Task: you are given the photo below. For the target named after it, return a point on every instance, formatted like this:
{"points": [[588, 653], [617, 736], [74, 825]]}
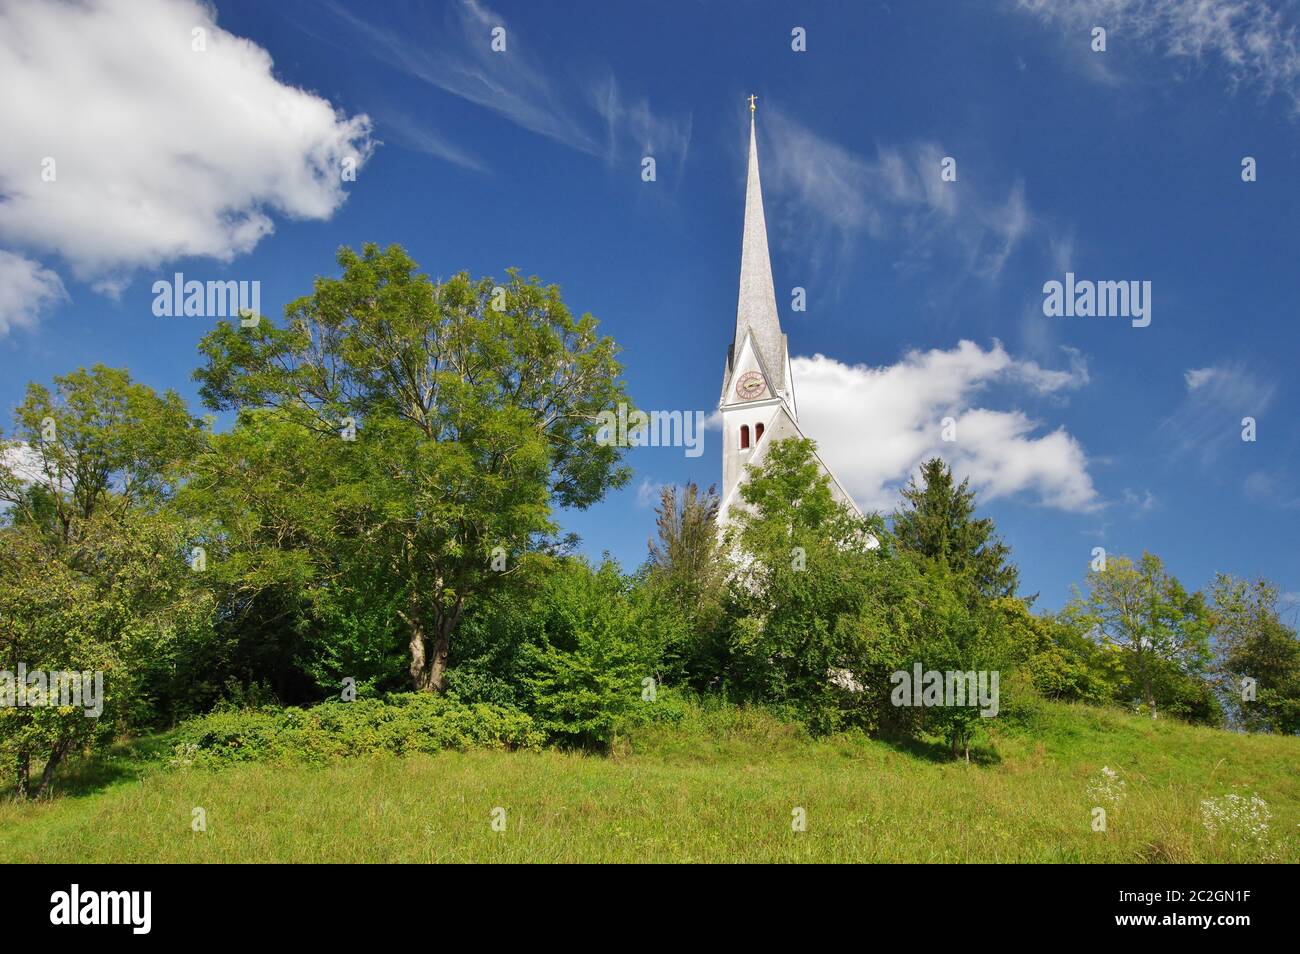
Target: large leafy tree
{"points": [[937, 522], [789, 499], [94, 568], [473, 407], [304, 595], [1142, 611], [97, 443], [122, 605], [952, 634], [1252, 642]]}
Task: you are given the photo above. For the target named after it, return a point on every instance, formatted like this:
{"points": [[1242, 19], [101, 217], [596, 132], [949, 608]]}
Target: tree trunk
{"points": [[429, 658], [418, 654], [47, 775], [441, 652], [24, 774]]}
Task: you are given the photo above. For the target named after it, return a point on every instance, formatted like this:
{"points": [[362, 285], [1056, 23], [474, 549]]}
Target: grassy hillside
{"points": [[721, 786]]}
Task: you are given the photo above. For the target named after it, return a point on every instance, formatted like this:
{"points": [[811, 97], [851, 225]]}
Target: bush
{"points": [[588, 662], [398, 723], [669, 707]]}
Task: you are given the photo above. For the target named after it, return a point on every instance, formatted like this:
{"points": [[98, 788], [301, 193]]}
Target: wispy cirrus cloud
{"points": [[422, 137], [632, 124], [1250, 43], [454, 53], [829, 196], [649, 492], [1218, 397], [1272, 488]]}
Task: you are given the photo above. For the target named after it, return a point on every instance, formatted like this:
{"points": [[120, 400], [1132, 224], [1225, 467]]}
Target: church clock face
{"points": [[750, 386]]}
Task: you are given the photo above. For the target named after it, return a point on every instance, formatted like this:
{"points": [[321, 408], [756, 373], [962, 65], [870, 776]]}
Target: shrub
{"points": [[588, 659], [398, 723], [669, 707]]}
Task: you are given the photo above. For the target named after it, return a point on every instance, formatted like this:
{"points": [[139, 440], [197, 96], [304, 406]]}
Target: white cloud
{"points": [[1272, 489], [1046, 380], [22, 461], [1251, 42], [1218, 397], [829, 196], [26, 289], [21, 466], [160, 151], [874, 426], [648, 493], [456, 56], [1141, 503]]}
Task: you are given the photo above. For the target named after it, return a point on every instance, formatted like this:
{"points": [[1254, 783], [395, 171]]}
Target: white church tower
{"points": [[758, 401]]}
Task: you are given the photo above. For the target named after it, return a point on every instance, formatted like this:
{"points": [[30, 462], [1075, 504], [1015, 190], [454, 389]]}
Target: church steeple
{"points": [[756, 307], [757, 405]]}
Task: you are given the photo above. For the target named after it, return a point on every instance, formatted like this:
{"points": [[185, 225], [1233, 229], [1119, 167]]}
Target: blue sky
{"points": [[924, 297]]}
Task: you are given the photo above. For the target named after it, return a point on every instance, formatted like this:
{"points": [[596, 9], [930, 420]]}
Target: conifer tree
{"points": [[938, 523]]}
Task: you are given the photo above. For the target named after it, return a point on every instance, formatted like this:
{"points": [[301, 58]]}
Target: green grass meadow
{"points": [[723, 785]]}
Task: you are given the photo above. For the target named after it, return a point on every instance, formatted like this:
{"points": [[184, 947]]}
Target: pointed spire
{"points": [[756, 309]]}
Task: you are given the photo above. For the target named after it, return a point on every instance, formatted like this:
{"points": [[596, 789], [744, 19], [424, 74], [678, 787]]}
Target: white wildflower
{"points": [[184, 754], [1107, 787], [1242, 820]]}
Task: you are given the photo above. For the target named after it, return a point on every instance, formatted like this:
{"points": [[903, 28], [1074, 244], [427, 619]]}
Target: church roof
{"points": [[784, 425], [756, 307]]}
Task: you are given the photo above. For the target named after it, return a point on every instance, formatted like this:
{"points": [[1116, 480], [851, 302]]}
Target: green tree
{"points": [[95, 575], [121, 605], [938, 524], [478, 403], [688, 555], [1161, 630], [1059, 659], [306, 599], [801, 601], [789, 497], [686, 577], [951, 636], [98, 443], [1252, 642]]}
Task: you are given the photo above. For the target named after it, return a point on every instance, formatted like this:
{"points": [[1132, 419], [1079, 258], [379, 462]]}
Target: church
{"points": [[758, 404]]}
